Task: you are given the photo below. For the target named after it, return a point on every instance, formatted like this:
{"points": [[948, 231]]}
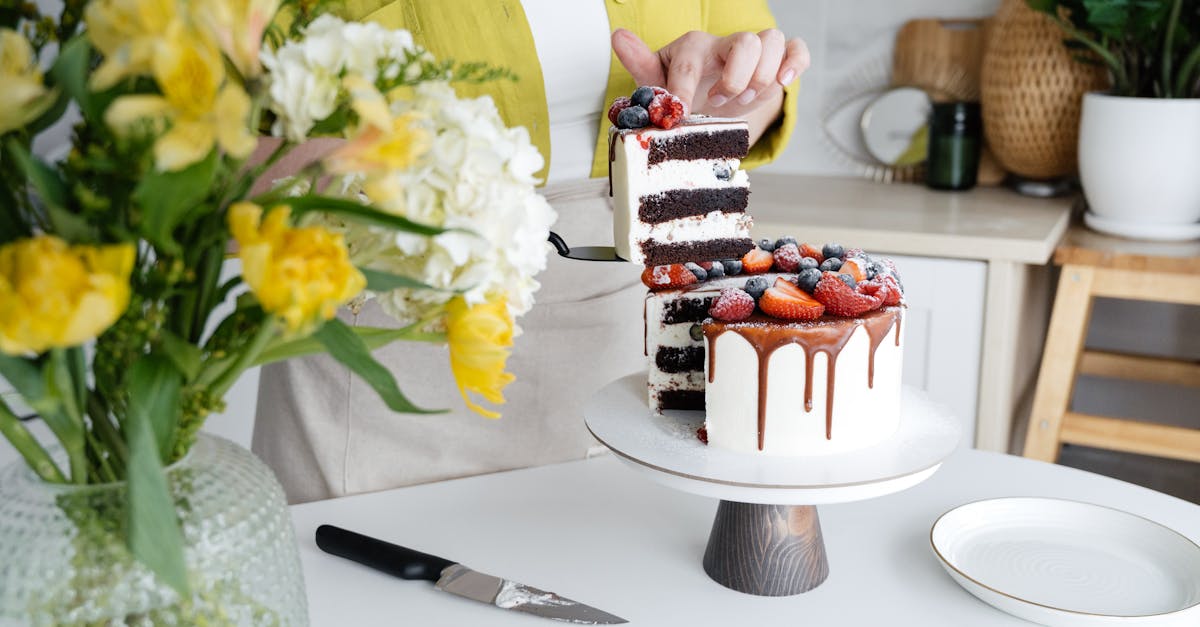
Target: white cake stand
{"points": [[766, 538]]}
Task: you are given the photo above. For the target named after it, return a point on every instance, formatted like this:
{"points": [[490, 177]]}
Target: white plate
{"points": [[1065, 563], [666, 447], [1135, 230]]}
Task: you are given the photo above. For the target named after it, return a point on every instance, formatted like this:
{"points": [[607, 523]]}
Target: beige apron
{"points": [[326, 433]]}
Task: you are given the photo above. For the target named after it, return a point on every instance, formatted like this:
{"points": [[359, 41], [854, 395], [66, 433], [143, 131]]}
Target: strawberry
{"points": [[667, 277], [875, 289], [854, 268], [808, 250], [619, 104], [854, 252], [842, 300], [787, 258], [894, 292], [785, 300], [731, 305], [666, 110], [707, 265], [757, 261]]}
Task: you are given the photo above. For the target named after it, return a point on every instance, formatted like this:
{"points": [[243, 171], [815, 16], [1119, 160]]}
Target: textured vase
{"points": [[1031, 90], [63, 559]]}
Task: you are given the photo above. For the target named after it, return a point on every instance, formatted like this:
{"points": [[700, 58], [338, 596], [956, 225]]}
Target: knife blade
{"points": [[455, 578]]}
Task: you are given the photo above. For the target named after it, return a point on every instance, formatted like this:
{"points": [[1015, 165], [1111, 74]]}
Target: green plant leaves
{"points": [[372, 337], [154, 536], [348, 348], [168, 198], [185, 356], [378, 281], [359, 213]]}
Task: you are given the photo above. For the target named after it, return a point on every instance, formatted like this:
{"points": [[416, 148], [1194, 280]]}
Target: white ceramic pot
{"points": [[1139, 163]]}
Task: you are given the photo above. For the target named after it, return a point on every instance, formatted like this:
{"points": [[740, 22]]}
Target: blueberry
{"points": [[766, 245], [722, 171], [632, 117], [701, 273], [755, 286], [732, 266], [831, 264], [808, 278], [808, 262], [833, 250], [717, 269], [642, 96], [848, 280], [874, 269], [697, 332], [786, 240]]}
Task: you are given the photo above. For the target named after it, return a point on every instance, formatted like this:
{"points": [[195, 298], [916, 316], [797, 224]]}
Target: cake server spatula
{"points": [[454, 578], [583, 253]]}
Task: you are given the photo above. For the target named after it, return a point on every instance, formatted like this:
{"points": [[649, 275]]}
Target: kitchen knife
{"points": [[457, 579]]}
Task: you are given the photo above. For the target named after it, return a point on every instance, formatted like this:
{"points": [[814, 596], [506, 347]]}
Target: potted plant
{"points": [[113, 267], [1139, 143]]}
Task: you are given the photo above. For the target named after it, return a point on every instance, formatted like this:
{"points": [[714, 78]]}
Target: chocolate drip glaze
{"points": [[828, 335]]}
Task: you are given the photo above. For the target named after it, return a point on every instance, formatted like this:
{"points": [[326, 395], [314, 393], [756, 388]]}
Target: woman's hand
{"points": [[739, 76]]}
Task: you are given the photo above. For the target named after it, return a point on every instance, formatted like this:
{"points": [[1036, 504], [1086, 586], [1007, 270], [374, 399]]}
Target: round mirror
{"points": [[895, 126]]}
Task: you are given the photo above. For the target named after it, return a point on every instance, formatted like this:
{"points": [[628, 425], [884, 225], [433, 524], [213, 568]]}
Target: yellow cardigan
{"points": [[496, 32]]}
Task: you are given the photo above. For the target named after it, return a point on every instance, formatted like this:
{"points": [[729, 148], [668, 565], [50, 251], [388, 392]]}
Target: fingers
{"points": [[687, 59], [643, 63], [796, 59], [741, 53]]}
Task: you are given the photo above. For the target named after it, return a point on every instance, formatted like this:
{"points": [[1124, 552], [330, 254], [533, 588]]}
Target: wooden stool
{"points": [[1099, 265]]}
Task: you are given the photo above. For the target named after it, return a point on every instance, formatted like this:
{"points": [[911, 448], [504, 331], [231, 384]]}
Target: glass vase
{"points": [[63, 558]]}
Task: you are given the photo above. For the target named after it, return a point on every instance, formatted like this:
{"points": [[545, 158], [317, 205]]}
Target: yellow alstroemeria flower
{"points": [[199, 110], [480, 338], [53, 295], [238, 26], [23, 97], [128, 33], [383, 142], [300, 274]]}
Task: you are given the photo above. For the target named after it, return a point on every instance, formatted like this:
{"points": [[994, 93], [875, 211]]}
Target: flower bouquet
{"points": [[115, 259]]}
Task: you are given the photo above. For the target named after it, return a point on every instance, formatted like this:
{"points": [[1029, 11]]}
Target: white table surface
{"points": [[604, 535]]}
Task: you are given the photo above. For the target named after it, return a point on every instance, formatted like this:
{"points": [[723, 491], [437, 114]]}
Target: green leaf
{"points": [[70, 72], [348, 348], [373, 337], [167, 198], [378, 281], [30, 449], [44, 179], [184, 355], [26, 378], [359, 213], [154, 385], [1045, 6]]}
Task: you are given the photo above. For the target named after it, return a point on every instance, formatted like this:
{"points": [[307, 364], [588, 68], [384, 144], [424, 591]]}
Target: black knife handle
{"points": [[390, 558]]}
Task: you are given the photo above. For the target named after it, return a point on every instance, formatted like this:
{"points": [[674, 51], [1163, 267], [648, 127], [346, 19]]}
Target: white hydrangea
{"points": [[479, 176], [304, 77]]}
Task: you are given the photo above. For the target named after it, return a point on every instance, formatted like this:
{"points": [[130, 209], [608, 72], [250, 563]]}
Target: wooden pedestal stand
{"points": [[767, 550], [757, 546]]}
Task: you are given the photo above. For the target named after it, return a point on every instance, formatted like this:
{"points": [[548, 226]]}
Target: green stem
{"points": [[102, 470], [106, 431], [1183, 85], [257, 344], [1120, 76], [1169, 49], [210, 275], [70, 428], [29, 448]]}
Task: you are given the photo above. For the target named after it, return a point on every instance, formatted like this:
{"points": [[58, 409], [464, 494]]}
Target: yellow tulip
{"points": [[128, 33], [53, 295], [23, 97], [195, 108], [480, 337], [300, 274]]}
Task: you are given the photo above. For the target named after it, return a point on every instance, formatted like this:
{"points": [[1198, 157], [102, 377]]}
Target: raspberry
{"points": [[757, 261], [894, 291], [666, 277], [618, 105], [854, 252], [787, 258], [666, 110], [842, 300], [702, 434], [732, 305], [785, 300], [808, 250]]}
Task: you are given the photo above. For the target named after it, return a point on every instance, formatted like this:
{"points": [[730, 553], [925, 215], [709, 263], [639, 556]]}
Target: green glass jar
{"points": [[955, 138]]}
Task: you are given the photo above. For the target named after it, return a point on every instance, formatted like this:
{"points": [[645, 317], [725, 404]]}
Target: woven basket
{"points": [[1031, 92], [940, 56]]}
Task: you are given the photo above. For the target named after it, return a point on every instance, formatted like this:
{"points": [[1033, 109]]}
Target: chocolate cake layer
{"points": [[687, 310], [673, 359], [730, 144], [681, 399], [663, 253], [685, 203]]}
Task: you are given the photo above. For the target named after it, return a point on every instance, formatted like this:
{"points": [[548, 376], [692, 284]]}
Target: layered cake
{"points": [[789, 351], [678, 191]]}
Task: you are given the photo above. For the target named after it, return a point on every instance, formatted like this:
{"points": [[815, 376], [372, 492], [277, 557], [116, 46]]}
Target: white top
{"points": [[603, 535], [572, 40]]}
